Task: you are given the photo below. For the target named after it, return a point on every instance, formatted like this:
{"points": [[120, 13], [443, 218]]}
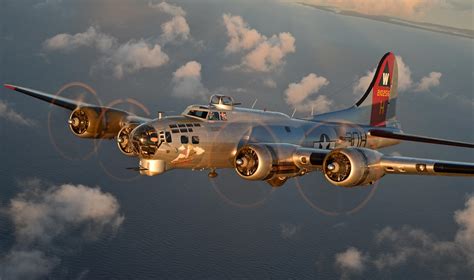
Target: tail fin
{"points": [[381, 96], [377, 107]]}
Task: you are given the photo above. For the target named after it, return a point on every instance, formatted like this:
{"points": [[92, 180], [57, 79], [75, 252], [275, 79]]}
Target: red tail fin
{"points": [[382, 92]]}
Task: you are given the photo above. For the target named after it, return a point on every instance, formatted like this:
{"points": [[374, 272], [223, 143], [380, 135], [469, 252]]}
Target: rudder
{"points": [[382, 93]]}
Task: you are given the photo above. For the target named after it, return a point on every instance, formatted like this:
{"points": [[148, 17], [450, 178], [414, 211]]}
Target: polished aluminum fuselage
{"points": [[219, 140]]}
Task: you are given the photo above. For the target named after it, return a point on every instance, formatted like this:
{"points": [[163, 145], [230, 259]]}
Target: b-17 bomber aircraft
{"points": [[265, 145]]}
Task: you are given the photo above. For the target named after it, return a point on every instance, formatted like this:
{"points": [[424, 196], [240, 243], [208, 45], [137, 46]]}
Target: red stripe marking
{"points": [[9, 87]]}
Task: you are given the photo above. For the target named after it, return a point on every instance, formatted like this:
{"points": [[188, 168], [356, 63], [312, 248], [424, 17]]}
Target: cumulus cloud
{"points": [[175, 29], [134, 56], [262, 54], [126, 58], [351, 261], [168, 8], [404, 75], [446, 259], [187, 81], [44, 217], [12, 116], [92, 37], [241, 36], [297, 95], [428, 82], [405, 81]]}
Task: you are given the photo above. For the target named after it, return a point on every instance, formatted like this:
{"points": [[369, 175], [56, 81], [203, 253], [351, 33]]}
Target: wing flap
{"points": [[420, 166], [416, 138]]}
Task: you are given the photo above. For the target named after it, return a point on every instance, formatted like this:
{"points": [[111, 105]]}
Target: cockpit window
{"points": [[218, 116], [214, 116], [215, 100], [198, 113], [227, 100]]}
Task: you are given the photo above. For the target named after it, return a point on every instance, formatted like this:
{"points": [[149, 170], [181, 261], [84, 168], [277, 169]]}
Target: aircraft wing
{"points": [[87, 120], [345, 167], [56, 100], [417, 138]]}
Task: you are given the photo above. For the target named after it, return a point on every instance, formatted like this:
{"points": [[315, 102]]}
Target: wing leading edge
{"points": [[56, 100]]}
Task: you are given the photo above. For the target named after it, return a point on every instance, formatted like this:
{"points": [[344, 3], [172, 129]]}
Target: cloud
{"points": [[351, 261], [44, 217], [289, 231], [405, 81], [168, 8], [187, 81], [126, 58], [262, 54], [32, 264], [465, 235], [269, 83], [175, 29], [92, 37], [404, 75], [134, 56], [12, 116], [428, 82], [241, 37], [363, 83], [298, 94], [408, 245]]}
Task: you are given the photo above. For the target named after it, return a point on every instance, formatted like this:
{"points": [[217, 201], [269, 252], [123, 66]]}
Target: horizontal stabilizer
{"points": [[415, 138]]}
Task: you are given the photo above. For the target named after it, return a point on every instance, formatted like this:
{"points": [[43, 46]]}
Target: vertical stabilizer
{"points": [[377, 107]]}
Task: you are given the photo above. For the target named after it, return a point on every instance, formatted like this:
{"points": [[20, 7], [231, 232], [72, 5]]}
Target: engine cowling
{"points": [[96, 122], [254, 162], [352, 167], [274, 162], [123, 140]]}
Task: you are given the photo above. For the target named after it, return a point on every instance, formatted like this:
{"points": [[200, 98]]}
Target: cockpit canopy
{"points": [[217, 110], [222, 102]]}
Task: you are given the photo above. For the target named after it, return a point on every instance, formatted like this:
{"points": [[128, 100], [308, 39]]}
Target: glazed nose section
{"points": [[145, 140]]}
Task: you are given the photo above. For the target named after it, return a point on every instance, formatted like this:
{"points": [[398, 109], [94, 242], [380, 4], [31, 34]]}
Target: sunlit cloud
{"points": [[298, 95], [92, 37], [187, 81], [177, 28], [168, 8], [261, 54], [134, 56], [350, 262], [43, 217], [126, 58], [428, 82]]}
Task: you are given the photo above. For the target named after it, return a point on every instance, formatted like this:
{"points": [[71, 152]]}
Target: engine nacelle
{"points": [[274, 162], [96, 122], [350, 167], [123, 140]]}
